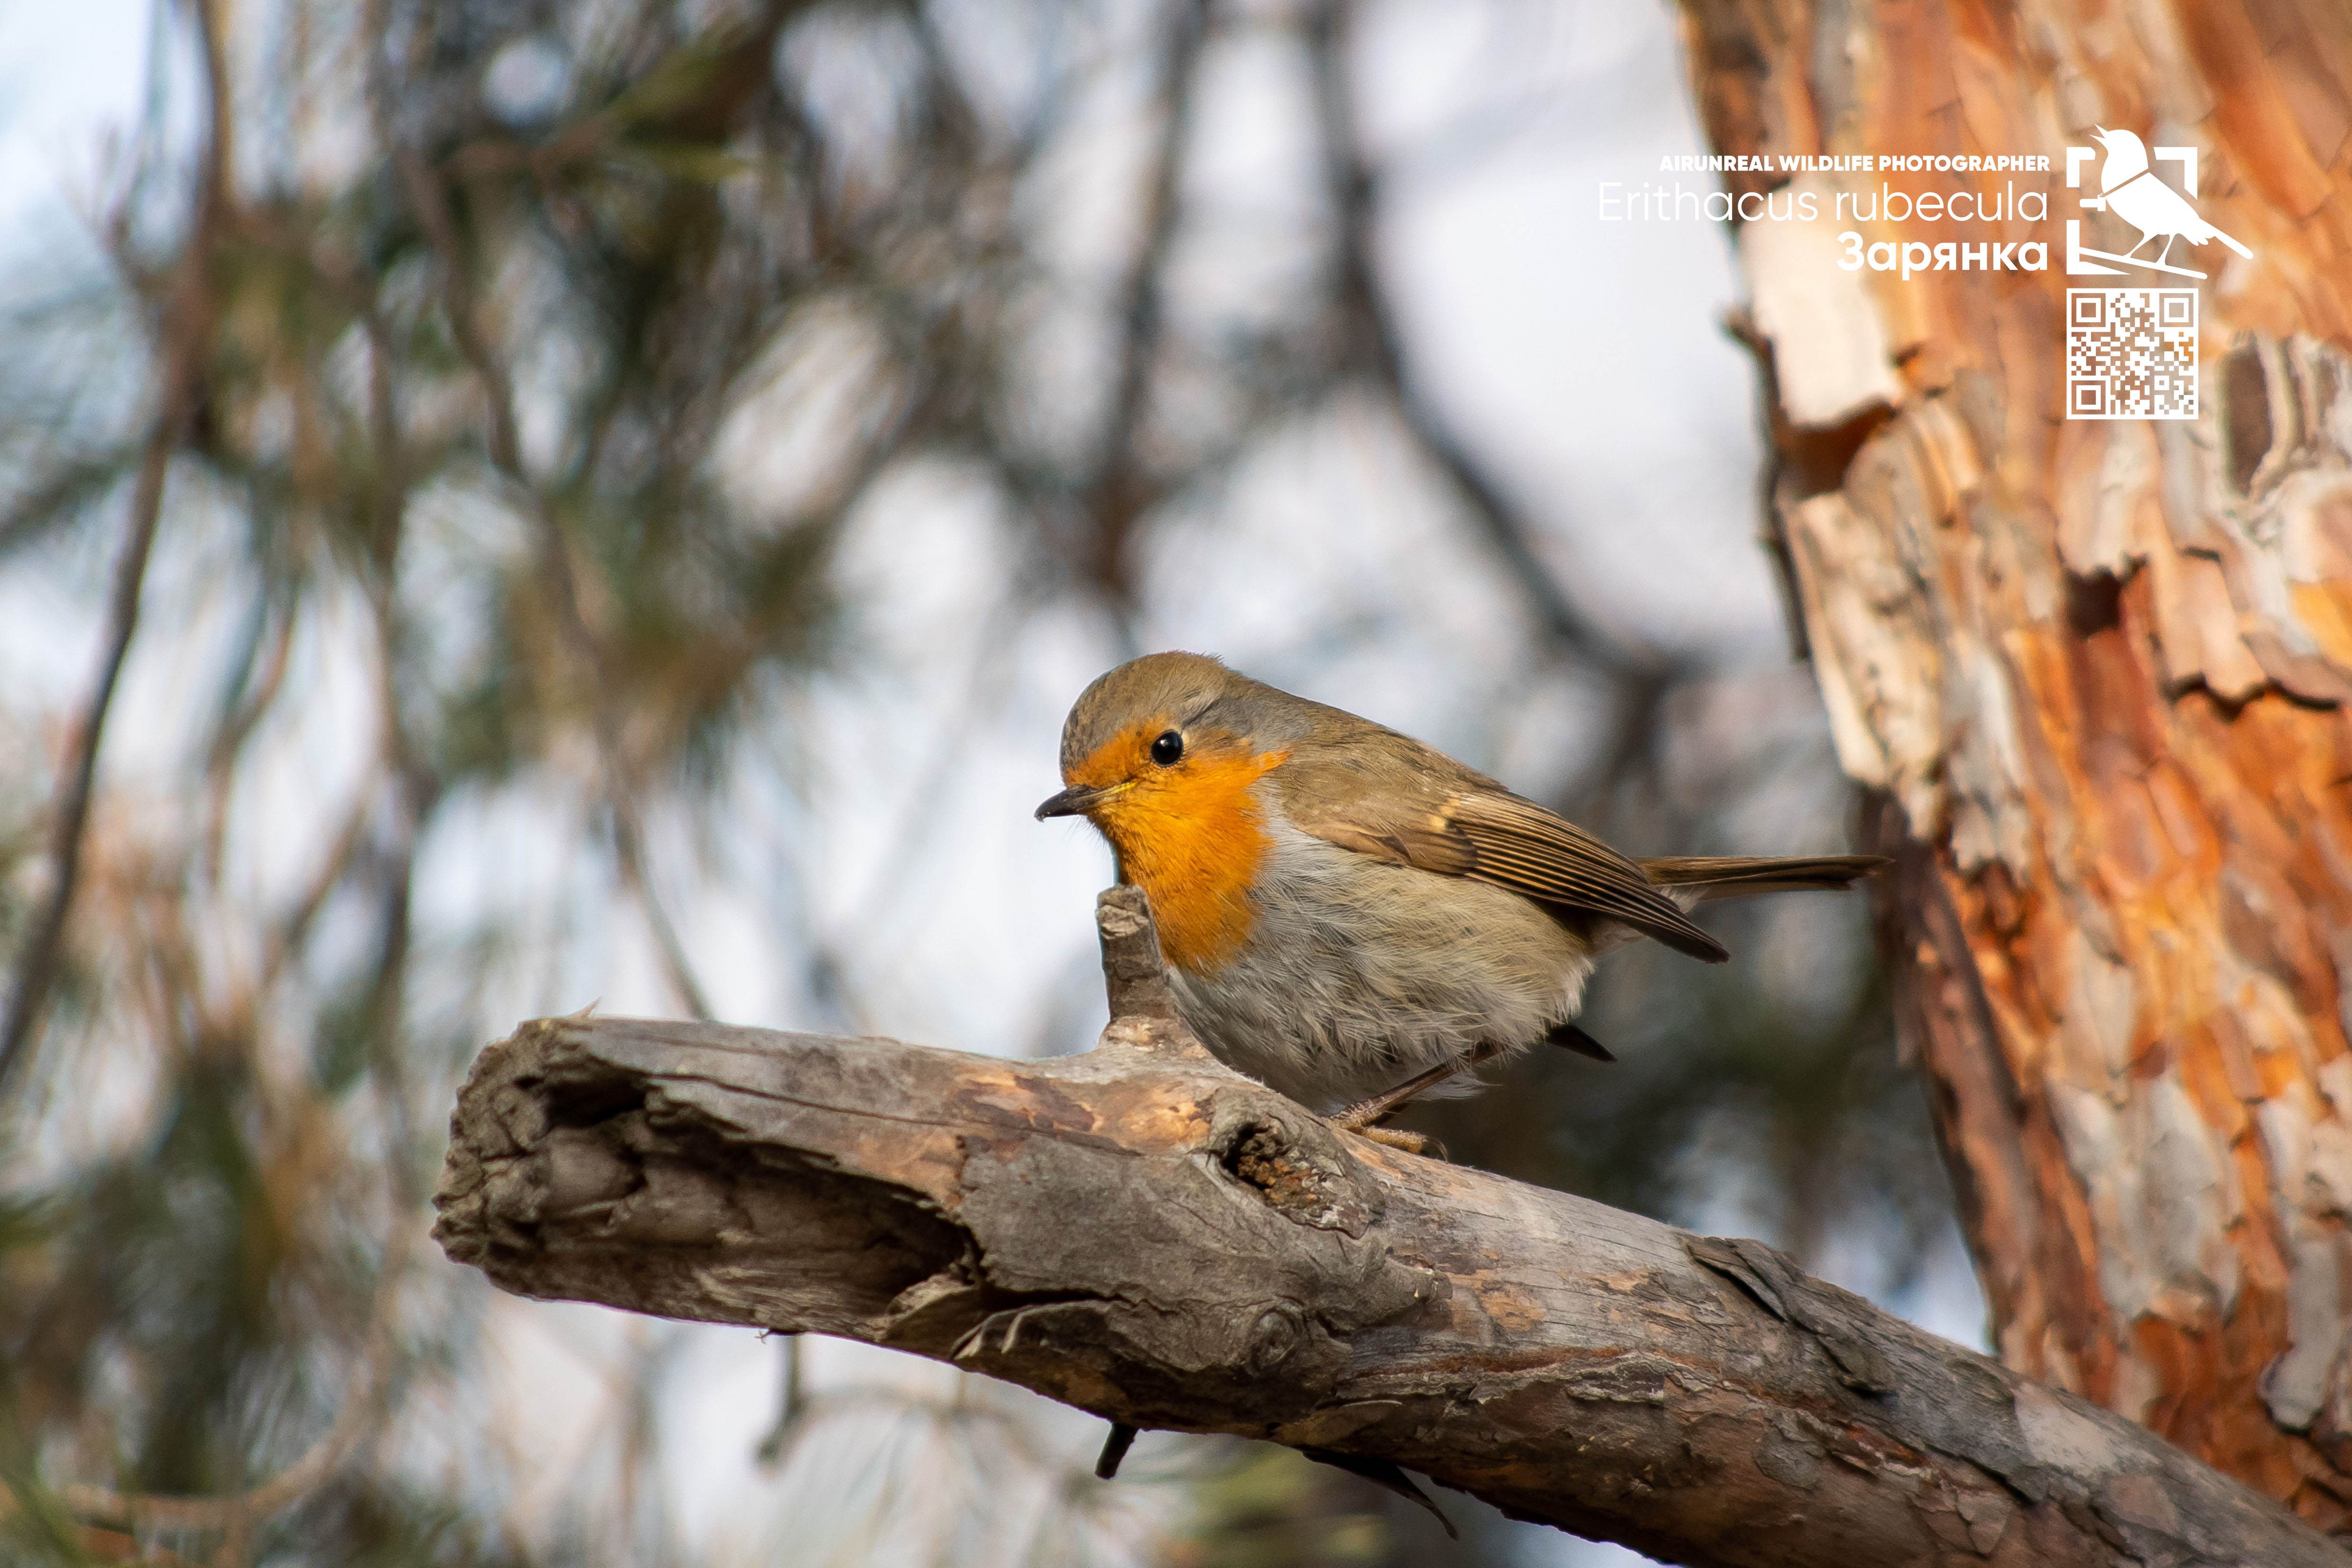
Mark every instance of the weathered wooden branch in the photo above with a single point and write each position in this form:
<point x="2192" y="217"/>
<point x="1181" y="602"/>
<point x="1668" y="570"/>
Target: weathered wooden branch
<point x="1145" y="1235"/>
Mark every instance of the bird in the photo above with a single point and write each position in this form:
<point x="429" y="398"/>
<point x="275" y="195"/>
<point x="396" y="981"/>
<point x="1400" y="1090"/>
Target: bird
<point x="1350" y="916"/>
<point x="2132" y="190"/>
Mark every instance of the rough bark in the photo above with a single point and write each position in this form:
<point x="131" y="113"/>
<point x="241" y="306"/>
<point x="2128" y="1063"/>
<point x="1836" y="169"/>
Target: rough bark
<point x="2096" y="672"/>
<point x="1143" y="1234"/>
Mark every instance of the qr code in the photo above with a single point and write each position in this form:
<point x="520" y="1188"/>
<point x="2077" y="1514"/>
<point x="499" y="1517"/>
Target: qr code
<point x="2131" y="353"/>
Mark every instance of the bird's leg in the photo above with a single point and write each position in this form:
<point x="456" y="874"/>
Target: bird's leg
<point x="2167" y="251"/>
<point x="1366" y="1115"/>
<point x="2134" y="249"/>
<point x="1399" y="1138"/>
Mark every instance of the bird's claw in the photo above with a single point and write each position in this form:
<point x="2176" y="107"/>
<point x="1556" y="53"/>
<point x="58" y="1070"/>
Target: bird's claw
<point x="1420" y="1144"/>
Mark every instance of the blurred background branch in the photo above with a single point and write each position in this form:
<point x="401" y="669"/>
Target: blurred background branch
<point x="184" y="311"/>
<point x="647" y="478"/>
<point x="1369" y="329"/>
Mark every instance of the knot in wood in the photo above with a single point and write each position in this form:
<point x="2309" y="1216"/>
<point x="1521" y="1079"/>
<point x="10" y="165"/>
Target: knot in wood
<point x="1305" y="1178"/>
<point x="1279" y="1329"/>
<point x="1265" y="1160"/>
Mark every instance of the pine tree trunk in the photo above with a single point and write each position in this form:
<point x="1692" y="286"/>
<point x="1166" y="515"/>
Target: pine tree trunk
<point x="2095" y="675"/>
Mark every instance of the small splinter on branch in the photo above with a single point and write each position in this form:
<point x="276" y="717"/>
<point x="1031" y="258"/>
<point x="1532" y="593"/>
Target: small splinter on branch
<point x="789" y="1405"/>
<point x="1114" y="1450"/>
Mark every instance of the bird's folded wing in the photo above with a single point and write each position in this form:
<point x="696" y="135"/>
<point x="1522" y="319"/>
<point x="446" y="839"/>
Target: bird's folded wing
<point x="1494" y="836"/>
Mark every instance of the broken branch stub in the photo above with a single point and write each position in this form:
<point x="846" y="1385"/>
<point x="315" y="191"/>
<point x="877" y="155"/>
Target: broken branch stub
<point x="1152" y="1237"/>
<point x="1135" y="982"/>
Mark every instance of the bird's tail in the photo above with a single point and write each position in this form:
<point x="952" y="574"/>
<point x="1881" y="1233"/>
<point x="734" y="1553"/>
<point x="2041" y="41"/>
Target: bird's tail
<point x="1738" y="877"/>
<point x="2231" y="244"/>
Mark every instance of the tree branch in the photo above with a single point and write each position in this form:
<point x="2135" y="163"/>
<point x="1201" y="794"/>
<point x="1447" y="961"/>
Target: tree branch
<point x="1148" y="1236"/>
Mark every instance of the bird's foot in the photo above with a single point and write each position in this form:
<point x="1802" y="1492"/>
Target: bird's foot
<point x="1420" y="1144"/>
<point x="1366" y="1114"/>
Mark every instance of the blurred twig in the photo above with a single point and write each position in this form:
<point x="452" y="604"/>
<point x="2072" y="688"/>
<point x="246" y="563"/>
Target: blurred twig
<point x="555" y="558"/>
<point x="247" y="703"/>
<point x="1123" y="488"/>
<point x="1353" y="188"/>
<point x="185" y="336"/>
<point x="364" y="1407"/>
<point x="1641" y="677"/>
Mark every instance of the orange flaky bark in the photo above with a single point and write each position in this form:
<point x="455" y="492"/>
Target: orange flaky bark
<point x="2097" y="675"/>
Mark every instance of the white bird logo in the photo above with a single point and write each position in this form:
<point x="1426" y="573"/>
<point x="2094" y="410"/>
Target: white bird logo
<point x="2134" y="193"/>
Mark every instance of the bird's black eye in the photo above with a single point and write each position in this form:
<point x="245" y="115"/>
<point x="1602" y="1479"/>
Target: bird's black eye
<point x="1168" y="749"/>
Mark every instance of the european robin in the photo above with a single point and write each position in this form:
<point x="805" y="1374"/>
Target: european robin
<point x="1349" y="915"/>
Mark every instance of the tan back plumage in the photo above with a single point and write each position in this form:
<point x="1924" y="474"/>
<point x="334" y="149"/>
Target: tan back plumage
<point x="1365" y="787"/>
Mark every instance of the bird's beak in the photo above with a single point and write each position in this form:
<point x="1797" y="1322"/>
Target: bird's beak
<point x="1074" y="801"/>
<point x="2100" y="134"/>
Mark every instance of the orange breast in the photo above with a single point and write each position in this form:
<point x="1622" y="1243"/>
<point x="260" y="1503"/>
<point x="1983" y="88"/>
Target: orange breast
<point x="1194" y="842"/>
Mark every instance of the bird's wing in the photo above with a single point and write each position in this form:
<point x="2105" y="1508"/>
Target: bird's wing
<point x="1492" y="836"/>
